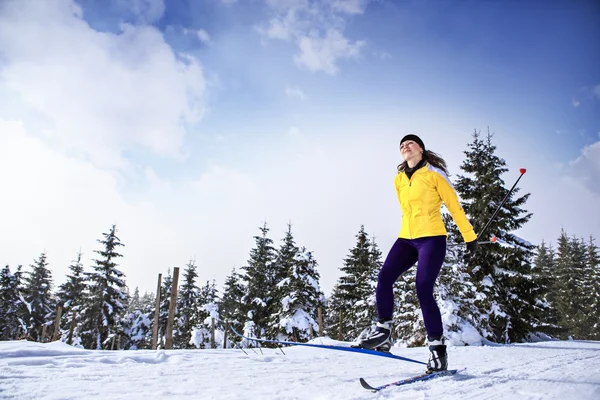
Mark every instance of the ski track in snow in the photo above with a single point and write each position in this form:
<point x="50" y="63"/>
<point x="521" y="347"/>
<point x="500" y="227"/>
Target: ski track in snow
<point x="545" y="370"/>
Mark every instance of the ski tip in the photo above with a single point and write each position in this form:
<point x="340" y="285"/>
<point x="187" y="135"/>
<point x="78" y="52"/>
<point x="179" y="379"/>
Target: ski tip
<point x="365" y="385"/>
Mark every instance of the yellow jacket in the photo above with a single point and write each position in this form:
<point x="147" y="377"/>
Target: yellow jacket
<point x="421" y="199"/>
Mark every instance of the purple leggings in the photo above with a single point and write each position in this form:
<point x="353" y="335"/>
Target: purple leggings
<point x="430" y="253"/>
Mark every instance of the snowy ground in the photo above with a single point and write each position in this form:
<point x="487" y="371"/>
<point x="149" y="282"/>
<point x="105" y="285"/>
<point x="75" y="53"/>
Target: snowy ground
<point x="548" y="370"/>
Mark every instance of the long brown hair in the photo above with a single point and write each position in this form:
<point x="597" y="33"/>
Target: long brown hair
<point x="432" y="158"/>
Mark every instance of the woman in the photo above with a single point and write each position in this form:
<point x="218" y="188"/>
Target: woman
<point x="422" y="185"/>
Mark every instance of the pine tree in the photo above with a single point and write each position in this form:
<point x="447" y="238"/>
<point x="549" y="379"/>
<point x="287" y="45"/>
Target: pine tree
<point x="108" y="299"/>
<point x="71" y="294"/>
<point x="137" y="322"/>
<point x="187" y="308"/>
<point x="207" y="311"/>
<point x="12" y="305"/>
<point x="352" y="306"/>
<point x="38" y="296"/>
<point x="565" y="284"/>
<point x="545" y="271"/>
<point x="282" y="269"/>
<point x="582" y="302"/>
<point x="230" y="305"/>
<point x="507" y="295"/>
<point x="259" y="281"/>
<point x="593" y="265"/>
<point x="301" y="299"/>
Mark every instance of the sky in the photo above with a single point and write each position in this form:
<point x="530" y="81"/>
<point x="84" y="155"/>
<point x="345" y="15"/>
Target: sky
<point x="553" y="370"/>
<point x="190" y="124"/>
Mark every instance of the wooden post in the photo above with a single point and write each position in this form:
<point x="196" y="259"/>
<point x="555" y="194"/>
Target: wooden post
<point x="212" y="335"/>
<point x="169" y="341"/>
<point x="225" y="334"/>
<point x="57" y="324"/>
<point x="156" y="314"/>
<point x="72" y="328"/>
<point x="320" y="321"/>
<point x="43" y="337"/>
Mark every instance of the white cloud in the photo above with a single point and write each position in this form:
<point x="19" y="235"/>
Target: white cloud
<point x="350" y="6"/>
<point x="596" y="91"/>
<point x="295" y="92"/>
<point x="586" y="168"/>
<point x="203" y="36"/>
<point x="382" y="55"/>
<point x="317" y="27"/>
<point x="60" y="204"/>
<point x="148" y="11"/>
<point x="575" y="103"/>
<point x="322" y="53"/>
<point x="103" y="93"/>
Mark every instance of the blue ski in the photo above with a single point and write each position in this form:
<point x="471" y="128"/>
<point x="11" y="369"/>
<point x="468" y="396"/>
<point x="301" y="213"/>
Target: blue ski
<point x="333" y="347"/>
<point x="406" y="381"/>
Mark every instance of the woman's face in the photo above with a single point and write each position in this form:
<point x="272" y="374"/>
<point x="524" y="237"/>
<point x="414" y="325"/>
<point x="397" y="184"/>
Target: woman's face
<point x="410" y="150"/>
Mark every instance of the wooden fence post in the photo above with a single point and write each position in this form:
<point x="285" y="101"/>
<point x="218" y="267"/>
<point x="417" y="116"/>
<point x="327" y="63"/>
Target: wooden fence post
<point x="72" y="328"/>
<point x="57" y="324"/>
<point x="43" y="337"/>
<point x="225" y="334"/>
<point x="212" y="334"/>
<point x="156" y="314"/>
<point x="169" y="340"/>
<point x="320" y="321"/>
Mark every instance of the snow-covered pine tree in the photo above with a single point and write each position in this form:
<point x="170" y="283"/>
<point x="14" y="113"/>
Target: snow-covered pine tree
<point x="259" y="281"/>
<point x="508" y="296"/>
<point x="282" y="269"/>
<point x="593" y="265"/>
<point x="137" y="322"/>
<point x="567" y="279"/>
<point x="71" y="295"/>
<point x="302" y="297"/>
<point x="187" y="307"/>
<point x="12" y="305"/>
<point x="545" y="272"/>
<point x="207" y="311"/>
<point x="583" y="302"/>
<point x="230" y="304"/>
<point x="352" y="304"/>
<point x="38" y="296"/>
<point x="108" y="297"/>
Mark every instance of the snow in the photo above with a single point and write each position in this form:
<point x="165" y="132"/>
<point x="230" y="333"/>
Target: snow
<point x="542" y="370"/>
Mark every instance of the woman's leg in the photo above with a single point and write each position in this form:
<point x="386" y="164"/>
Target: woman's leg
<point x="401" y="257"/>
<point x="432" y="251"/>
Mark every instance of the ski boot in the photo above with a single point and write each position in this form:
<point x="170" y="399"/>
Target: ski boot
<point x="438" y="357"/>
<point x="379" y="339"/>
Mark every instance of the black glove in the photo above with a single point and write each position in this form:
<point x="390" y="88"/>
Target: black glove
<point x="471" y="248"/>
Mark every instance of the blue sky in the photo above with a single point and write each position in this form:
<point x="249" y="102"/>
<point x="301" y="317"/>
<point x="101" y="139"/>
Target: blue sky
<point x="190" y="123"/>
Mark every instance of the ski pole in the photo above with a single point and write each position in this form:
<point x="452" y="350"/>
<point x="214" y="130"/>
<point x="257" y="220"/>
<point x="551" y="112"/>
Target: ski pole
<point x="522" y="171"/>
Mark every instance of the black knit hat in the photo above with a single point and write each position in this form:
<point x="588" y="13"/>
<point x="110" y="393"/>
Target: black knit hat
<point x="415" y="139"/>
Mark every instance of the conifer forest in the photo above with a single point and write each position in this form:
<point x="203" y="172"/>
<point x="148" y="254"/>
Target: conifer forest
<point x="510" y="291"/>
